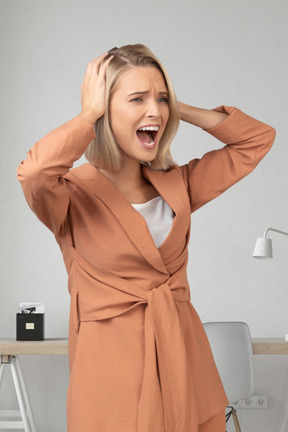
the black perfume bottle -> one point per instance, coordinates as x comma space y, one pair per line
30, 325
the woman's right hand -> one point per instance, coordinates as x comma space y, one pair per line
93, 89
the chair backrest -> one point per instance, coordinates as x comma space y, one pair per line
232, 349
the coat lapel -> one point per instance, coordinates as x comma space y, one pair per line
171, 187
168, 184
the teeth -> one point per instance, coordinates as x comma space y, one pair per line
149, 128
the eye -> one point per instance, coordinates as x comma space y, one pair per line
137, 99
163, 99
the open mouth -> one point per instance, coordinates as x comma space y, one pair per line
147, 135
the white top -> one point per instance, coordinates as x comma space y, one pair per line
159, 218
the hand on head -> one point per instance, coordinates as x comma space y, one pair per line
94, 88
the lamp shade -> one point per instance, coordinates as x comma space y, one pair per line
263, 248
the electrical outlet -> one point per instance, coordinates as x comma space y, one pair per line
247, 403
260, 401
257, 401
235, 405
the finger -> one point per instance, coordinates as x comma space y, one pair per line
100, 58
88, 72
93, 66
96, 63
103, 67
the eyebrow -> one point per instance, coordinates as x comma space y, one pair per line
147, 91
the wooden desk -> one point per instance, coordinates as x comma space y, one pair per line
12, 347
46, 347
270, 346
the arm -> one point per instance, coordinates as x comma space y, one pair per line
247, 141
200, 117
41, 174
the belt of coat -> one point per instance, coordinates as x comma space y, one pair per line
167, 381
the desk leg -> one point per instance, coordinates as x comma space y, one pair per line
2, 367
236, 421
19, 395
25, 394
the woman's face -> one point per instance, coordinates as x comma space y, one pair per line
139, 112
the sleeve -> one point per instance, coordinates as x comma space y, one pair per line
41, 174
247, 141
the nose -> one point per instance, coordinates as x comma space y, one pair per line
152, 108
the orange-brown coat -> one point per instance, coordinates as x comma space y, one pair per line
139, 357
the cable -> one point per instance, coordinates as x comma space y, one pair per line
229, 414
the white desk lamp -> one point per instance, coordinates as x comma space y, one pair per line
263, 247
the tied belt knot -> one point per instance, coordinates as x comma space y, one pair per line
167, 381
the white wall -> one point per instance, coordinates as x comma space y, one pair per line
217, 52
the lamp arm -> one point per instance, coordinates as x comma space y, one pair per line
275, 230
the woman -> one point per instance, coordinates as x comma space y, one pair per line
139, 357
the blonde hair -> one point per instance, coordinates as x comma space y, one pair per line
103, 151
